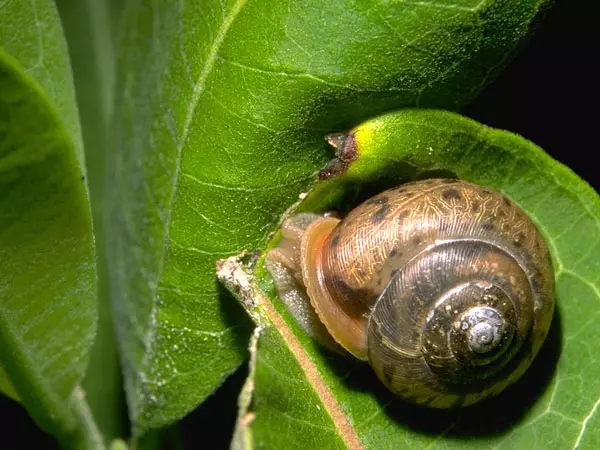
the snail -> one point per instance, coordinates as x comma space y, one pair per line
445, 287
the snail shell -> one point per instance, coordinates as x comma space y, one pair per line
445, 287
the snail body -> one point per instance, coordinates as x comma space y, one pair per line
445, 287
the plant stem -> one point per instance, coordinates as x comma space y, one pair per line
86, 435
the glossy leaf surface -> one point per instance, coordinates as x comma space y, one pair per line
555, 405
221, 108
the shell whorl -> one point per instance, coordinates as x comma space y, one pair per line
453, 284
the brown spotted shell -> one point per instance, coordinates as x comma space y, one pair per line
445, 287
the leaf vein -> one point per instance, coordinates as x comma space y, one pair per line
205, 252
306, 422
584, 424
312, 77
443, 6
245, 189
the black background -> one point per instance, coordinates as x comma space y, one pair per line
549, 94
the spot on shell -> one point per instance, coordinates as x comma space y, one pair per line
518, 240
451, 193
360, 295
388, 373
380, 215
335, 241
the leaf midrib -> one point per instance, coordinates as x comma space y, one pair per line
197, 93
240, 281
344, 429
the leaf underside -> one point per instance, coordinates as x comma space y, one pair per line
47, 287
555, 405
221, 108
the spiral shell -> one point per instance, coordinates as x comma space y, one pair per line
445, 287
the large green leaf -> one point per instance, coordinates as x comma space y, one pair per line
221, 107
301, 390
48, 284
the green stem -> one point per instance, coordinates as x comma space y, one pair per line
88, 29
86, 435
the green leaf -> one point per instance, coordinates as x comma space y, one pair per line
118, 444
47, 288
220, 113
88, 29
6, 386
555, 405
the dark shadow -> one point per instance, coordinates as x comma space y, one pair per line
494, 416
435, 173
235, 317
549, 91
210, 425
21, 431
